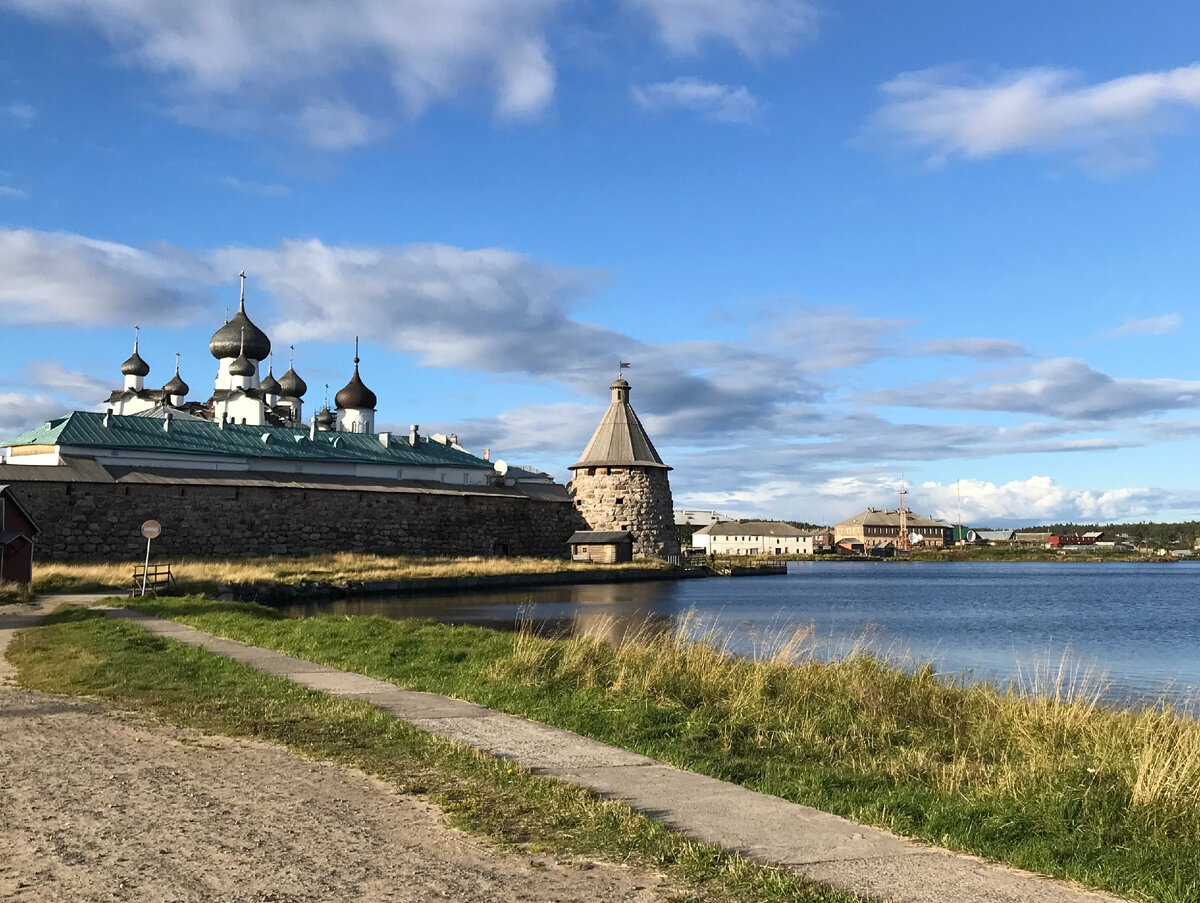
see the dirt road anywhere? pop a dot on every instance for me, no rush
(96, 805)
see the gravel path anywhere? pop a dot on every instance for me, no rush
(96, 805)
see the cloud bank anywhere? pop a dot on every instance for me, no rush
(763, 424)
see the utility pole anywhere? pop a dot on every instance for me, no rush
(904, 543)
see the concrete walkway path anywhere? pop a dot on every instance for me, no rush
(820, 846)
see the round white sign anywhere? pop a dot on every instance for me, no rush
(151, 529)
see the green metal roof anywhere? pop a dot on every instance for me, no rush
(85, 429)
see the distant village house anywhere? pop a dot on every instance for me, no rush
(759, 538)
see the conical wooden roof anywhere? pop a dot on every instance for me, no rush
(620, 440)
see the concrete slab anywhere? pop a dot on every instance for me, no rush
(943, 877)
(410, 705)
(535, 745)
(754, 824)
(339, 683)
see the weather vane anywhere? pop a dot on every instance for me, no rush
(621, 368)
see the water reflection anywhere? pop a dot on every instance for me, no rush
(609, 611)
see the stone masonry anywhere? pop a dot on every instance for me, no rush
(637, 499)
(81, 520)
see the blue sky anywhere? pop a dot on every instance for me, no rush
(842, 244)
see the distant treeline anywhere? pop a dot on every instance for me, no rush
(1162, 535)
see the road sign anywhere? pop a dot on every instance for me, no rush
(150, 530)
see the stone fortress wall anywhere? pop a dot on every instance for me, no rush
(91, 520)
(637, 499)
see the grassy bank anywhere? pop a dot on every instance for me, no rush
(85, 653)
(1047, 779)
(197, 575)
(15, 593)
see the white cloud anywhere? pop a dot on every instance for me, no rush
(486, 310)
(19, 114)
(47, 390)
(294, 63)
(828, 338)
(720, 103)
(757, 28)
(1062, 387)
(8, 191)
(1108, 125)
(21, 411)
(1161, 325)
(51, 376)
(51, 277)
(258, 189)
(973, 347)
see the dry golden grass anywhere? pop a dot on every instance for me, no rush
(202, 574)
(909, 726)
(13, 593)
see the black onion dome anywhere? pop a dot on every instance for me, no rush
(227, 341)
(291, 385)
(324, 418)
(355, 394)
(135, 366)
(241, 367)
(175, 386)
(270, 386)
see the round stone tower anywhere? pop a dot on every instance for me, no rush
(620, 483)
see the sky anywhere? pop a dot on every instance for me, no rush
(844, 246)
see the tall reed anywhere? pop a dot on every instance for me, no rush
(1047, 734)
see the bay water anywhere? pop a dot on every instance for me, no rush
(1134, 627)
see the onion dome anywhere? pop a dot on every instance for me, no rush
(175, 385)
(269, 385)
(135, 366)
(324, 419)
(291, 385)
(227, 341)
(241, 367)
(355, 394)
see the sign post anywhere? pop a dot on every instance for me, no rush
(150, 530)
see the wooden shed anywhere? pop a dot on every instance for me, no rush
(17, 535)
(602, 547)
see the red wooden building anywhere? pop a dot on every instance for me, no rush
(17, 535)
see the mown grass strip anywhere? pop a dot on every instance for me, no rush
(84, 653)
(1052, 782)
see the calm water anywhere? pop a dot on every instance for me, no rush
(1139, 624)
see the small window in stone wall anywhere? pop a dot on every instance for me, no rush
(591, 471)
(620, 500)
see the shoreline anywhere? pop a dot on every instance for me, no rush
(274, 592)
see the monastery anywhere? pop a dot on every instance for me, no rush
(243, 474)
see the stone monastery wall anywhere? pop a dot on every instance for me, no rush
(102, 520)
(637, 499)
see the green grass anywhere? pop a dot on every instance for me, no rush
(1047, 779)
(85, 653)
